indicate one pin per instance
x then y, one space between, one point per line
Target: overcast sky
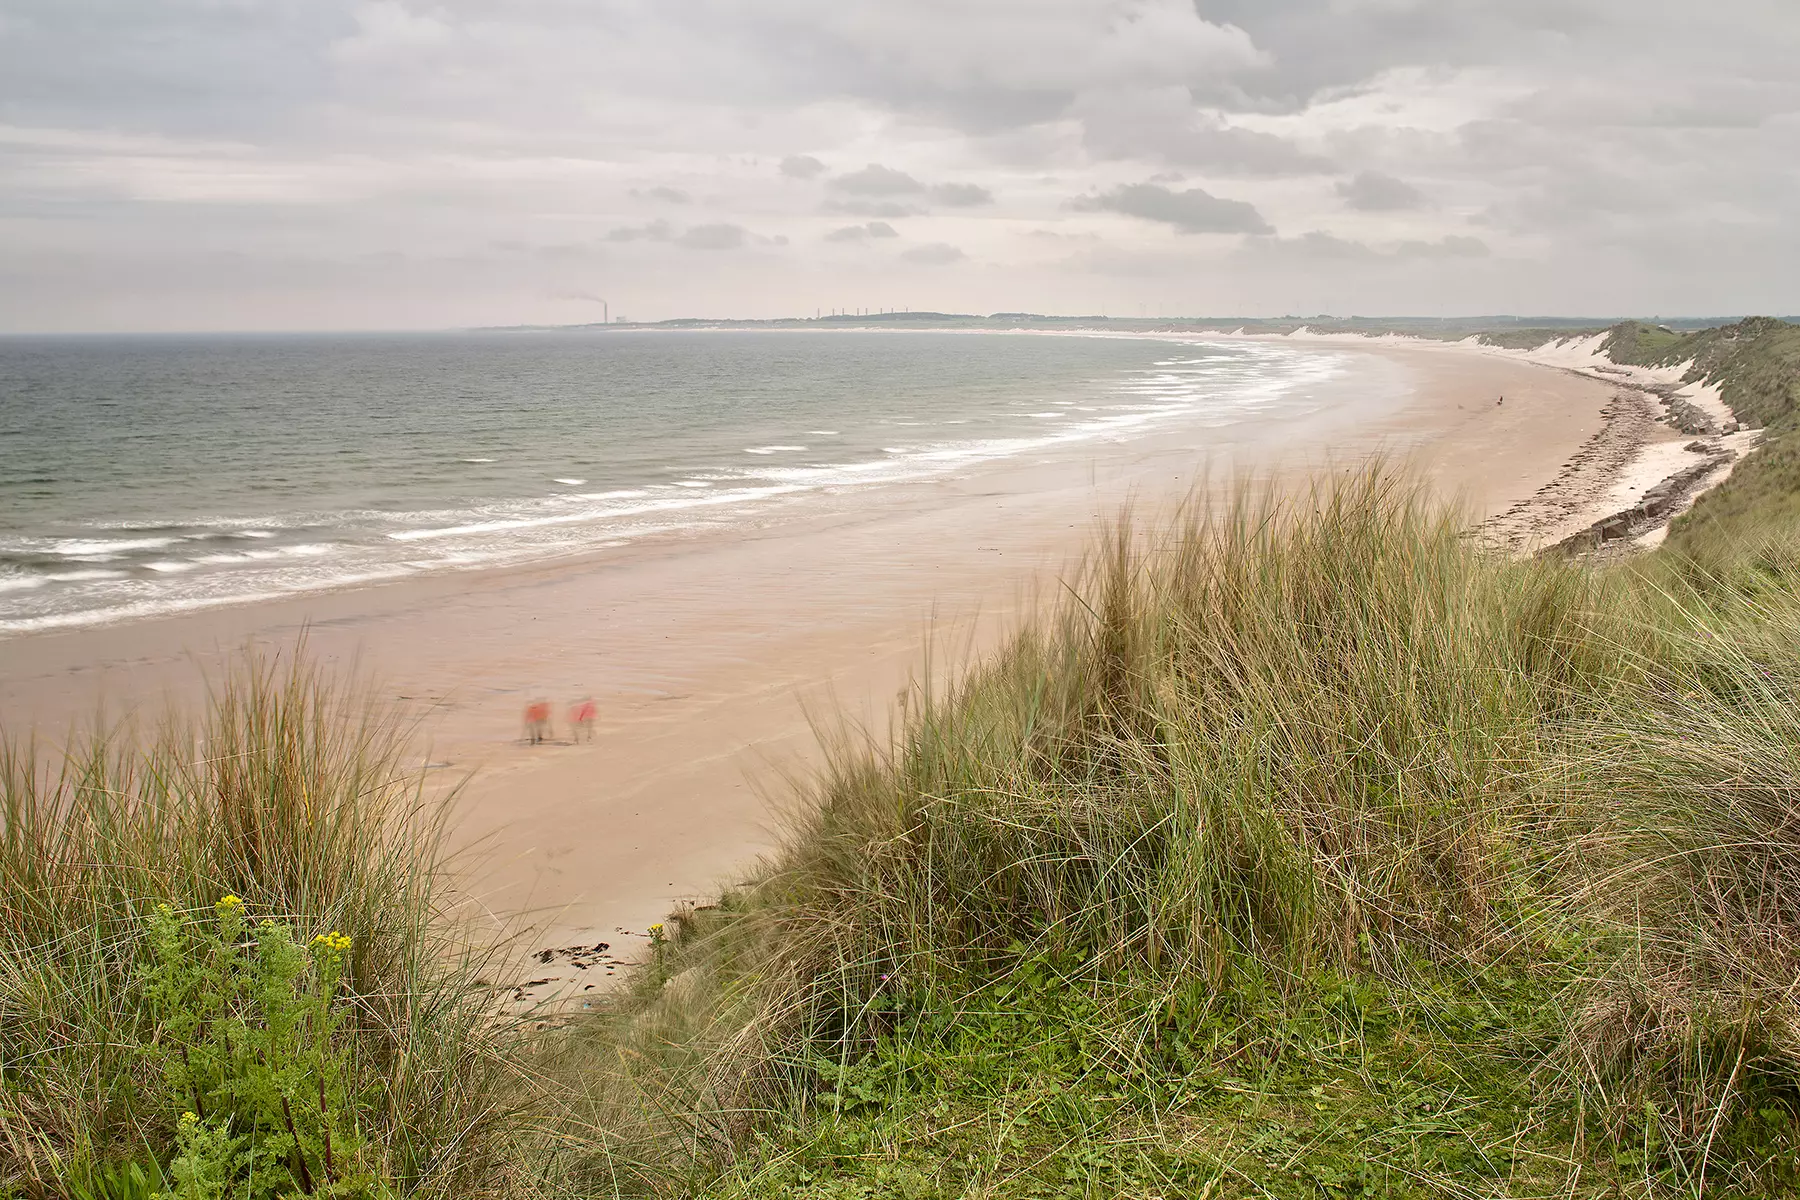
235 164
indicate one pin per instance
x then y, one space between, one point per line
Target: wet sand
707 655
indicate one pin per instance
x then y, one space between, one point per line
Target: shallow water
140 476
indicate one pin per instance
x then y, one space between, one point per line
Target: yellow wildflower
228 901
333 942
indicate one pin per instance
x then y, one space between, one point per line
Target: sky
394 164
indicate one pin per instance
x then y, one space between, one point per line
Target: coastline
710 658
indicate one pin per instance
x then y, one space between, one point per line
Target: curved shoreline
710 657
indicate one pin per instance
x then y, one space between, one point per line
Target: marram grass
1267 750
1303 849
287 800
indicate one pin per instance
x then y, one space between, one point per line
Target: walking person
537 721
581 719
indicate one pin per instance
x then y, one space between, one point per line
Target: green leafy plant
247 1039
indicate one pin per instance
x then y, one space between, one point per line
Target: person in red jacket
537 721
581 719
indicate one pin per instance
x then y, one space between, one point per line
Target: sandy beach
708 657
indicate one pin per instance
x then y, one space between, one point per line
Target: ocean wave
97 547
305 550
205 561
509 524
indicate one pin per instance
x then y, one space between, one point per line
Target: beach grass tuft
287 810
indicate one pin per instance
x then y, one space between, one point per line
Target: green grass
1093 920
287 793
1531 339
1302 849
1741 528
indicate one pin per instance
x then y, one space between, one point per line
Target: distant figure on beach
537 721
1501 400
581 719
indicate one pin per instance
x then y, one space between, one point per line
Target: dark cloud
934 254
1316 45
877 180
1375 191
862 233
801 166
1192 211
1165 125
961 195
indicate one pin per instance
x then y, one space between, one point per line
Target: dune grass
1308 850
285 803
1302 849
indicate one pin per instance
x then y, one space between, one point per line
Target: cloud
961 195
934 254
1373 191
1319 247
887 209
717 236
862 233
1449 246
801 166
1163 125
714 237
667 195
362 160
1192 211
877 180
653 231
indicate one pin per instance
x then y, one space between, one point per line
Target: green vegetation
1743 525
1306 850
1531 339
237 920
1309 853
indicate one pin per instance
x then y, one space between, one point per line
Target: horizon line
1525 320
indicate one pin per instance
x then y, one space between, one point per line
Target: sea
141 476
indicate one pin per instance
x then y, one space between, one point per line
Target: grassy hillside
1305 851
1757 364
1310 853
